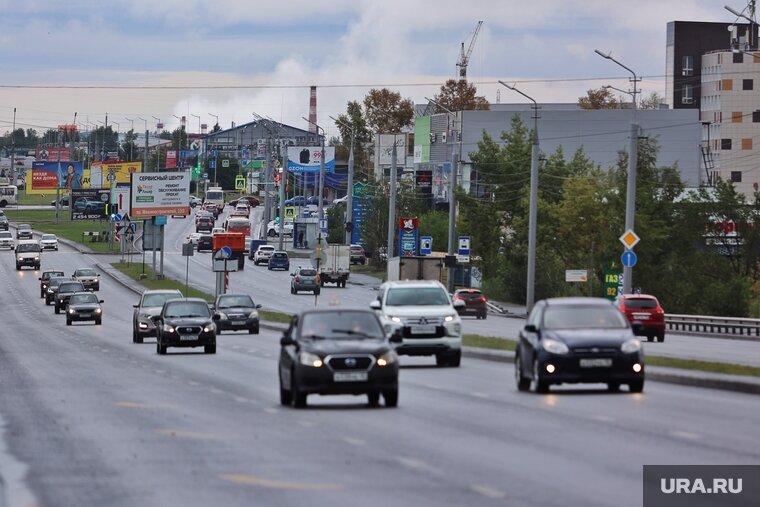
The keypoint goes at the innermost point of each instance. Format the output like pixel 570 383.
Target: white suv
pixel 6 240
pixel 262 254
pixel 422 311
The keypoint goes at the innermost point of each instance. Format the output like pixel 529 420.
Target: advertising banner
pixel 101 173
pixel 159 194
pixel 171 159
pixel 51 154
pixel 306 159
pixel 408 236
pixel 49 176
pixel 385 148
pixel 88 203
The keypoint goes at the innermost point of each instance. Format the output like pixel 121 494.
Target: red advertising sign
pixel 51 154
pixel 171 159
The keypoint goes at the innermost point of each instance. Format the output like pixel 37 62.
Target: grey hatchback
pixel 304 279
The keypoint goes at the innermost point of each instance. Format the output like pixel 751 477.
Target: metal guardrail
pixel 713 325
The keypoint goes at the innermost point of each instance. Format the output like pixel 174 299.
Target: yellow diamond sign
pixel 629 239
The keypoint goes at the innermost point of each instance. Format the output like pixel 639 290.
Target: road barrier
pixel 713 325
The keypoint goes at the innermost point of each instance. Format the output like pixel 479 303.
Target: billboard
pixel 159 194
pixel 100 173
pixel 88 203
pixel 385 148
pixel 306 159
pixel 52 154
pixel 49 176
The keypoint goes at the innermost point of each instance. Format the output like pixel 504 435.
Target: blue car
pixel 298 200
pixel 279 260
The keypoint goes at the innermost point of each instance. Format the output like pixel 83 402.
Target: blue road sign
pixel 226 252
pixel 628 259
pixel 426 245
pixel 117 217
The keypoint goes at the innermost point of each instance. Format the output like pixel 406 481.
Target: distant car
pixel 84 306
pixel 52 288
pixel 6 240
pixel 205 243
pixel 217 230
pixel 211 208
pixel 357 255
pixel 250 200
pixel 474 303
pixel 578 339
pixel 237 312
pixel 204 224
pixel 150 304
pixel 89 278
pixel 273 228
pixel 88 205
pixel 644 310
pixel 279 260
pixel 340 200
pixel 49 242
pixel 298 200
pixel 204 214
pixel 186 322
pixel 262 254
pixel 304 279
pixel 28 254
pixel 193 237
pixel 195 201
pixel 45 279
pixel 64 292
pixel 315 200
pixel 23 231
pixel 4 225
pixel 337 351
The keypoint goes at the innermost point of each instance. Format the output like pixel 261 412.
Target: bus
pixel 215 195
pixel 8 195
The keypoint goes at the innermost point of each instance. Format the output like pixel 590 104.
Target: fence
pixel 713 325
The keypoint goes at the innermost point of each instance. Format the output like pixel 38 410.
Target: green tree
pixel 459 95
pixel 386 112
pixel 600 98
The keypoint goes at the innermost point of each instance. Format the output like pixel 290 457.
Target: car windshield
pixel 28 247
pixel 280 255
pixel 47 237
pixel 24 227
pixel 6 235
pixel 158 299
pixel 50 274
pixel 584 317
pixel 417 296
pixel 233 301
pixel 187 309
pixel 341 325
pixel 56 281
pixel 645 303
pixel 83 298
pixel 308 272
pixel 85 272
pixel 71 287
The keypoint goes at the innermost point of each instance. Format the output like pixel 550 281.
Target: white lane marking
pixel 270 410
pixel 685 435
pixel 487 491
pixel 601 418
pixel 480 395
pixel 307 424
pixel 414 463
pixel 354 441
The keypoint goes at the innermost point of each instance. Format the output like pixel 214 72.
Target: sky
pixel 139 60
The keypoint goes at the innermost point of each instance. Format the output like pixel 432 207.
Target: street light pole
pixel 350 184
pixel 158 146
pixel 145 154
pixel 132 133
pixel 320 208
pixel 533 206
pixel 216 117
pixel 630 194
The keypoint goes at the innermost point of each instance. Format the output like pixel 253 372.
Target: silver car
pixel 89 278
pixel 151 303
pixel 6 240
pixel 304 279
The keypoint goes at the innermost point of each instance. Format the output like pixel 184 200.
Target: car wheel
pixel 160 349
pixel 455 358
pixel 57 309
pixel 373 398
pixel 269 268
pixel 42 293
pixel 210 349
pixel 292 290
pixel 523 383
pixel 299 397
pixel 650 338
pixel 286 397
pixel 47 302
pixel 540 386
pixel 484 316
pixel 18 268
pixel 68 322
pixel 98 322
pixel 613 387
pixel 661 337
pixel 637 386
pixel 390 397
pixel 254 330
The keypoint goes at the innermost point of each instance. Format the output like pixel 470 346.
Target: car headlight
pixel 253 315
pixel 209 328
pixel 98 311
pixel 223 316
pixel 449 318
pixel 395 319
pixel 630 346
pixel 71 310
pixel 554 346
pixel 37 258
pixel 389 357
pixel 168 329
pixel 309 359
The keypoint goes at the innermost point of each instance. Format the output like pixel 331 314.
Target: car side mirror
pixel 101 301
pixel 216 316
pixel 136 306
pixel 286 340
pixel 376 305
pixel 530 328
pixel 397 337
pixel 258 306
pixel 155 318
pixel 458 303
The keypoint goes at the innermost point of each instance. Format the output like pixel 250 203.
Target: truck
pixel 235 241
pixel 416 268
pixel 334 263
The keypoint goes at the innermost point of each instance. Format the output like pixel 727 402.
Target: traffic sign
pixel 239 182
pixel 226 252
pixel 117 217
pixel 225 162
pixel 629 239
pixel 628 259
pixel 426 245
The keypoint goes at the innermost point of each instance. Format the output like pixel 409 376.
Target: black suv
pixel 204 224
pixel 45 277
pixel 64 292
pixel 186 322
pixel 338 352
pixel 52 287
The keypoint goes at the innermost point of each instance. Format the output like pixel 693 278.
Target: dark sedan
pixel 84 306
pixel 205 242
pixel 186 322
pixel 64 292
pixel 237 312
pixel 52 287
pixel 337 352
pixel 573 340
pixel 45 278
pixel 279 260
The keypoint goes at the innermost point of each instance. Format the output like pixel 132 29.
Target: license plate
pixel 187 337
pixel 428 329
pixel 642 316
pixel 238 322
pixel 354 376
pixel 601 362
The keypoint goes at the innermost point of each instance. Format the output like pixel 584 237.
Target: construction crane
pixel 464 58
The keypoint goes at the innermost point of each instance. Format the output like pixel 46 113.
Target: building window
pixel 747 84
pixel 756 116
pixel 726 84
pixel 686 94
pixel 736 176
pixel 687 66
pixel 725 144
pixel 738 57
pixel 747 143
pixel 736 116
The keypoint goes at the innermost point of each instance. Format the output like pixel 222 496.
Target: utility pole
pixel 392 203
pixel 13 154
pixel 350 195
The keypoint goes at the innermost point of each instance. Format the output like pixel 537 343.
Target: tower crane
pixel 464 58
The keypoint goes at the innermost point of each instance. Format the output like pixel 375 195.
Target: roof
pixel 578 301
pixel 413 283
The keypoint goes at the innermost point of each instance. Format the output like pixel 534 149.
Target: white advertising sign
pixel 157 194
pixel 385 150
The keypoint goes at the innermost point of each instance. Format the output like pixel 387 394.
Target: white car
pixel 217 229
pixel 423 312
pixel 262 254
pixel 273 228
pixel 49 242
pixel 193 237
pixel 6 240
pixel 195 201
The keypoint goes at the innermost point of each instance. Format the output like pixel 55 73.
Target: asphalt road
pixel 91 419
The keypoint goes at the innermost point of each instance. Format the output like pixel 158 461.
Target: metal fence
pixel 713 325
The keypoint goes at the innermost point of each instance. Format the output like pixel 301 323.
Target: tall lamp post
pixel 456 157
pixel 118 128
pixel 158 146
pixel 350 184
pixel 132 133
pixel 533 206
pixel 145 154
pixel 216 117
pixel 630 194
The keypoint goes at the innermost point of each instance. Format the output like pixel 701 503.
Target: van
pixel 28 254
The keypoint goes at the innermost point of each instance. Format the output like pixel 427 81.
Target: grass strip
pixel 488 342
pixel 708 366
pixel 44 221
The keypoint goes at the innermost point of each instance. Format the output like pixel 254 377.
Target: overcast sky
pixel 158 58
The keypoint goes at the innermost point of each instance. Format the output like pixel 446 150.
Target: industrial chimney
pixel 313 110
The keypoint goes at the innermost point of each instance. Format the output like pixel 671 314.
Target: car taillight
pixel 659 311
pixel 458 298
pixel 483 299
